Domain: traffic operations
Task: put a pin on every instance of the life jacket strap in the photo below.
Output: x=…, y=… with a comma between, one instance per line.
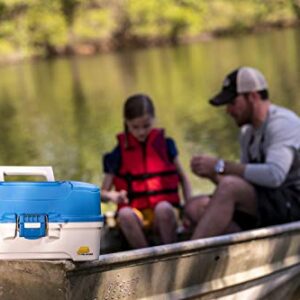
x=131, y=177
x=133, y=195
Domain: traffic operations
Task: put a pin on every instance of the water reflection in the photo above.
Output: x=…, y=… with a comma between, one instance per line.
x=12, y=130
x=66, y=112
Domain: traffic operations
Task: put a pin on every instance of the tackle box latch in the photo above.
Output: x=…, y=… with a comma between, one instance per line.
x=32, y=226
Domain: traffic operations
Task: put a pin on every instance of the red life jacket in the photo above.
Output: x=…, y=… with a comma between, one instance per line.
x=146, y=174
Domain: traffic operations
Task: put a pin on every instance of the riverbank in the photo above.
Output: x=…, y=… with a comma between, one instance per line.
x=74, y=27
x=91, y=48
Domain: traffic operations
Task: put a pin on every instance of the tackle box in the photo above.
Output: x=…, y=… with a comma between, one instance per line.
x=48, y=219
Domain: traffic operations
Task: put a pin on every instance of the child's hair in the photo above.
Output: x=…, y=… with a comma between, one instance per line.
x=137, y=106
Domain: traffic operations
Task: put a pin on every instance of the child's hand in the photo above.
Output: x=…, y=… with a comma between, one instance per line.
x=119, y=197
x=187, y=224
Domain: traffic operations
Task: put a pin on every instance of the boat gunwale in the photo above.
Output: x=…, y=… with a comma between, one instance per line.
x=185, y=247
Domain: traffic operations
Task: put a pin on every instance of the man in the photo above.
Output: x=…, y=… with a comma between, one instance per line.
x=264, y=188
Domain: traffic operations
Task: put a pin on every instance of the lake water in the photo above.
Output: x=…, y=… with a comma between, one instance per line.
x=66, y=112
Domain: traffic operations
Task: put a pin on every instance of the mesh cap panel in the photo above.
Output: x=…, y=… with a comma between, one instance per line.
x=249, y=80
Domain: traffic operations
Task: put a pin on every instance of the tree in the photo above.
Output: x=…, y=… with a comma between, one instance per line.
x=296, y=8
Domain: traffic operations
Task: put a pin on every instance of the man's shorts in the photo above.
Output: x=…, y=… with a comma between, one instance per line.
x=277, y=206
x=274, y=206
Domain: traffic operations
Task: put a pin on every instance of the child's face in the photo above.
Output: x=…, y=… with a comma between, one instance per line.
x=140, y=127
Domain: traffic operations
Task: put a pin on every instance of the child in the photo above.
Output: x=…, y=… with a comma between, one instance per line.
x=145, y=171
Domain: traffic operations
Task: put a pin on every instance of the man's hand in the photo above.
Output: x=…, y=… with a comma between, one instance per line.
x=119, y=197
x=204, y=166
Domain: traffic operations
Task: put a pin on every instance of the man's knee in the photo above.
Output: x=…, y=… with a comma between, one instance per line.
x=234, y=185
x=237, y=190
x=194, y=209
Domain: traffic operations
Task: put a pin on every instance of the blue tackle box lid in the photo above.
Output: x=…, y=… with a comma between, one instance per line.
x=60, y=201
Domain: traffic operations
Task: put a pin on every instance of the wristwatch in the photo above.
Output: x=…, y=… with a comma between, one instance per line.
x=220, y=166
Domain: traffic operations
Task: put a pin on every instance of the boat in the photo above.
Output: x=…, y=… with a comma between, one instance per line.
x=257, y=264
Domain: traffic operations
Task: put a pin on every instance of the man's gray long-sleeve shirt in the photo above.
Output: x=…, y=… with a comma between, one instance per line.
x=271, y=152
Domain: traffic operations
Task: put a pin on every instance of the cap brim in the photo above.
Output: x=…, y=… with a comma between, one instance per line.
x=224, y=97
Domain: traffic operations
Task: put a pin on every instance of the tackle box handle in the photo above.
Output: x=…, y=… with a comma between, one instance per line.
x=45, y=171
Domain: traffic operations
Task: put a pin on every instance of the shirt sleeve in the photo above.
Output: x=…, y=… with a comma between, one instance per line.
x=282, y=140
x=171, y=149
x=112, y=161
x=272, y=173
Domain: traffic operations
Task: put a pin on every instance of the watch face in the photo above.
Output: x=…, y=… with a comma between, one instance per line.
x=220, y=166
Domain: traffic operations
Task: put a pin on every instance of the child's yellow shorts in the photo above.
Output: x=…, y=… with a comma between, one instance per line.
x=146, y=216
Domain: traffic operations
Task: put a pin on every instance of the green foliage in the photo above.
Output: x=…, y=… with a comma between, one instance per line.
x=251, y=13
x=39, y=27
x=296, y=7
x=93, y=24
x=68, y=8
x=165, y=17
x=46, y=27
